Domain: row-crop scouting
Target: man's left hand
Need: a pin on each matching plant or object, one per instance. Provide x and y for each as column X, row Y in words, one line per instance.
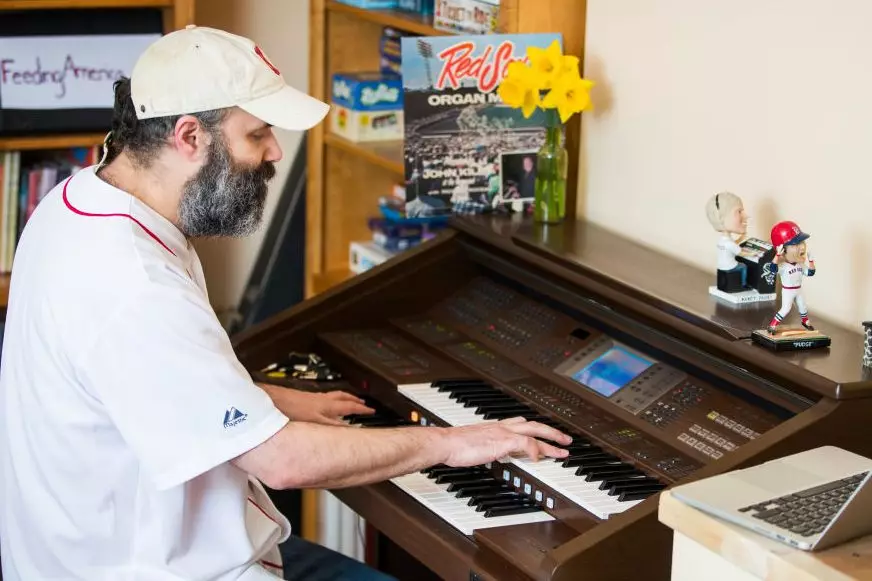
column 320, row 408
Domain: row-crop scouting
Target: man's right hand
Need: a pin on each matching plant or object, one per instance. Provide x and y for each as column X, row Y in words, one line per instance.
column 482, row 443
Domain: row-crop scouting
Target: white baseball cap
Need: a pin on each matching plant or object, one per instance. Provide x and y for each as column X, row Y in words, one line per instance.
column 199, row 69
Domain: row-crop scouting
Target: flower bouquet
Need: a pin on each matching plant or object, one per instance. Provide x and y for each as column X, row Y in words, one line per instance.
column 550, row 81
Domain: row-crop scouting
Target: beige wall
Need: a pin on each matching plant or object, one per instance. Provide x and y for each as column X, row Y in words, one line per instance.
column 771, row 99
column 281, row 28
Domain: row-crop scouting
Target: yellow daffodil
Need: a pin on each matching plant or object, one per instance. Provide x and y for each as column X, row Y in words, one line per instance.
column 519, row 89
column 548, row 63
column 570, row 94
column 570, row 65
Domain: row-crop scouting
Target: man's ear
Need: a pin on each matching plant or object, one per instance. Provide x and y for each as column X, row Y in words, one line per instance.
column 189, row 138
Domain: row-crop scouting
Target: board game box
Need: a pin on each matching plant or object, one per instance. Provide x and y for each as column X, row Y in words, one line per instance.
column 462, row 145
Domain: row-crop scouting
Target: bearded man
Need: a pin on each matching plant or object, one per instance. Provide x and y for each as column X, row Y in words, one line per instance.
column 133, row 443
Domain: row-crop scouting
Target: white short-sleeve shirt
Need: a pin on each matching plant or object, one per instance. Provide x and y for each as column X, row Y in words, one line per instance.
column 727, row 251
column 121, row 405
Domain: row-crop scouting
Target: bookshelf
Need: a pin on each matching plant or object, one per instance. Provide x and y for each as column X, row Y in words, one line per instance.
column 345, row 179
column 176, row 14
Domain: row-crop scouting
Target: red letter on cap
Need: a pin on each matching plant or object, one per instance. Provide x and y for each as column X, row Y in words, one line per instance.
column 266, row 60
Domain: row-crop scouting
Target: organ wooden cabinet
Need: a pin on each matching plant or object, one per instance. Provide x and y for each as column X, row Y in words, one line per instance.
column 615, row 344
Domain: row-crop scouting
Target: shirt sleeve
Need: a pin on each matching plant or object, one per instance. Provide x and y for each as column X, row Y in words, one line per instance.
column 165, row 370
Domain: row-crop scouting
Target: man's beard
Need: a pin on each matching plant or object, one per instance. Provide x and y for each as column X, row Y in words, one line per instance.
column 225, row 198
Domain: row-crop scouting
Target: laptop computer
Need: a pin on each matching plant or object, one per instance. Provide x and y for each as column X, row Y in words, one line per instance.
column 811, row 500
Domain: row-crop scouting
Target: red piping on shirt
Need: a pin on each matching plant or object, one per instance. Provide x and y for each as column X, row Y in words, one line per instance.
column 90, row 215
column 265, row 513
column 271, row 564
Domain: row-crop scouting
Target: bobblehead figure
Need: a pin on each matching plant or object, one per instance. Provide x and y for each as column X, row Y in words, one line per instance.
column 740, row 259
column 792, row 264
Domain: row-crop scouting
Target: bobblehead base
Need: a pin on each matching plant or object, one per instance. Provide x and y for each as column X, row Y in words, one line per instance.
column 742, row 297
column 790, row 338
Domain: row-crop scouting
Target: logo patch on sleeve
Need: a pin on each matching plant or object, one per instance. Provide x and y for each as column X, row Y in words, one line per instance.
column 233, row 416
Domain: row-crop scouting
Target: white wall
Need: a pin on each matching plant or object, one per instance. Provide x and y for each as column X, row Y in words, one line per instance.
column 281, row 28
column 767, row 98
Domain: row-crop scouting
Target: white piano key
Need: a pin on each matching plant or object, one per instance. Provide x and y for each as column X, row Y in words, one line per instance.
column 456, row 511
column 549, row 472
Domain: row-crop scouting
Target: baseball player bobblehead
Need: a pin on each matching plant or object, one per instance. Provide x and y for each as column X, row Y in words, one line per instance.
column 792, row 263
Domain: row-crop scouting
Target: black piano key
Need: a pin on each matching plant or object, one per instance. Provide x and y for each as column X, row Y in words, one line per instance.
column 476, row 400
column 584, row 461
column 473, row 491
column 635, row 495
column 457, row 382
column 440, row 470
column 580, row 446
column 458, row 486
column 629, row 479
column 471, row 477
column 601, row 474
column 513, row 407
column 454, row 394
column 499, row 503
column 617, row 489
column 617, row 478
column 596, row 469
column 474, row 499
column 511, row 510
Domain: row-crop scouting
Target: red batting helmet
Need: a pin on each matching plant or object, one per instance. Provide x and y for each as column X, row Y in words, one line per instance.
column 787, row 233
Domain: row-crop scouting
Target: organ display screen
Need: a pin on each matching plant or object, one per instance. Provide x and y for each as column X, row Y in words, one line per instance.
column 611, row 371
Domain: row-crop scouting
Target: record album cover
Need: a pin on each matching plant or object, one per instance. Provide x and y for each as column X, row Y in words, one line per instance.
column 462, row 144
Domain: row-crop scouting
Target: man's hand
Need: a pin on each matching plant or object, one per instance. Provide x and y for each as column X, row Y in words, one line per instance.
column 482, row 443
column 320, row 408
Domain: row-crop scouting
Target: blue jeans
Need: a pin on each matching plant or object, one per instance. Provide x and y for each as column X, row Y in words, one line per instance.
column 305, row 561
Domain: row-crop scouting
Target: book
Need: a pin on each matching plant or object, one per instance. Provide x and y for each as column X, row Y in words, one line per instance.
column 462, row 144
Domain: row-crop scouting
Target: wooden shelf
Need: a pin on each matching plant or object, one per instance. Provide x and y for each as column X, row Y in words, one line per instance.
column 4, row 290
column 78, row 4
column 386, row 154
column 325, row 280
column 394, row 18
column 50, row 141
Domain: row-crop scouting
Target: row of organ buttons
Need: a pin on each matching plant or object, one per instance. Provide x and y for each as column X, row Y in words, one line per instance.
column 726, row 422
column 528, row 489
column 699, row 445
column 713, row 437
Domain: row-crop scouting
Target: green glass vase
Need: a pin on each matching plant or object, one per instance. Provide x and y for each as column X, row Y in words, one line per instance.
column 552, row 164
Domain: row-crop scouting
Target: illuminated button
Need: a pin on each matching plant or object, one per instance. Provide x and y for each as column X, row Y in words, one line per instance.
column 538, row 496
column 528, row 489
column 549, row 503
column 414, row 417
column 506, row 475
column 517, row 481
column 713, row 415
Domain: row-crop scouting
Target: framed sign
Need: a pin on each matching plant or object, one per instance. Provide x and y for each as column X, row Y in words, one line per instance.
column 57, row 68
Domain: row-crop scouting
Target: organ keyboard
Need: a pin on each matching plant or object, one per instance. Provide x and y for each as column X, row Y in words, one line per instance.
column 620, row 347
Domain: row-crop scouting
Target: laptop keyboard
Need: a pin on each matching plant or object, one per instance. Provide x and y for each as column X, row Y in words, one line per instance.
column 809, row 511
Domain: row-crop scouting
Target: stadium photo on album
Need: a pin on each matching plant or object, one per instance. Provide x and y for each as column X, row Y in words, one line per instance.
column 462, row 144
